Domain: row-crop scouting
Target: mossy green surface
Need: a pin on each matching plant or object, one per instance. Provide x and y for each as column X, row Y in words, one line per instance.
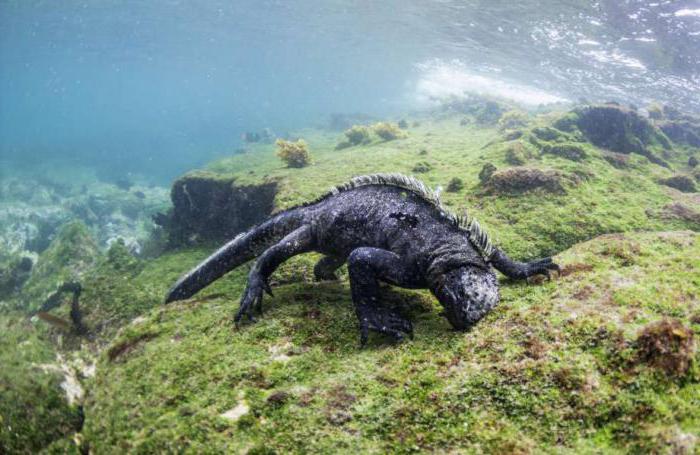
column 33, row 408
column 528, row 225
column 69, row 255
column 553, row 369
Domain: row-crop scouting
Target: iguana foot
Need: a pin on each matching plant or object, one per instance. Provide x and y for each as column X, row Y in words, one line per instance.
column 543, row 266
column 252, row 297
column 382, row 320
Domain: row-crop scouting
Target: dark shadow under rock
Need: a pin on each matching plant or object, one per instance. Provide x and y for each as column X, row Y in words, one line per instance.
column 210, row 208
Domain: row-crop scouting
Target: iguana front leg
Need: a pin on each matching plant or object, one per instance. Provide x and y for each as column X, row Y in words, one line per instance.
column 367, row 266
column 522, row 270
column 296, row 242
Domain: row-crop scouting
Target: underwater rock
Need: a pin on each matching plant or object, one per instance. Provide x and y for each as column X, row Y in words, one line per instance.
column 678, row 210
column 617, row 160
column 512, row 120
column 693, row 161
column 667, row 345
column 295, row 154
column 621, row 130
column 517, row 180
column 72, row 253
column 680, row 182
column 486, row 172
column 109, row 212
column 455, row 185
column 357, row 134
column 485, row 111
column 682, row 131
column 569, row 151
column 547, row 133
column 208, row 207
column 387, row 131
column 516, row 154
column 422, row 167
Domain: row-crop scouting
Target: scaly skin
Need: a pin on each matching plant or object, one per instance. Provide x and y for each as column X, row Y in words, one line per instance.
column 385, row 233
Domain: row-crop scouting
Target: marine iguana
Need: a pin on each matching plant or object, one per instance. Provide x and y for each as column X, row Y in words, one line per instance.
column 387, row 227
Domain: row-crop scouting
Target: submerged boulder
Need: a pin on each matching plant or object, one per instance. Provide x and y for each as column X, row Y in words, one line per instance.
column 569, row 151
column 517, row 180
column 682, row 183
column 682, row 131
column 621, row 130
column 209, row 207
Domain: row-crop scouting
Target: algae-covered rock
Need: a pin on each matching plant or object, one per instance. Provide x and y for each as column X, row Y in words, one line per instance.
column 682, row 131
column 563, row 366
column 68, row 257
column 486, row 172
column 34, row 408
column 422, row 167
column 680, row 182
column 617, row 160
column 358, row 134
column 387, row 131
column 621, row 130
column 512, row 120
column 455, row 185
column 517, row 180
column 569, row 151
column 517, row 153
column 209, row 207
column 678, row 210
column 667, row 345
column 294, row 154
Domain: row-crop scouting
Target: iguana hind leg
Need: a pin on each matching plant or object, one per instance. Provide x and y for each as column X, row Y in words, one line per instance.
column 326, row 266
column 299, row 241
column 367, row 266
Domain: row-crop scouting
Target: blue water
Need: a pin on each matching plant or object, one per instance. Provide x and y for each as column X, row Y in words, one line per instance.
column 157, row 87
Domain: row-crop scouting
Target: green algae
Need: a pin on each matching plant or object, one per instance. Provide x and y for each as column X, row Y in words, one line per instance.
column 553, row 369
column 33, row 408
column 609, row 199
column 556, row 368
column 67, row 258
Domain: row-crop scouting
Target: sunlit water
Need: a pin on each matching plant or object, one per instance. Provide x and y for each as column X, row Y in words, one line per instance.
column 158, row 87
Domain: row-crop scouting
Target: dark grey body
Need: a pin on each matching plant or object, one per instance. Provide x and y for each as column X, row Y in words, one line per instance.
column 385, row 233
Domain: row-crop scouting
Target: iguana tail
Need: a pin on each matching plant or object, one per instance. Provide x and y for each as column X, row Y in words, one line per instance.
column 238, row 251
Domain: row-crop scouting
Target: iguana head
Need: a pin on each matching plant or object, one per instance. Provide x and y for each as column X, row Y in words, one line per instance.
column 466, row 293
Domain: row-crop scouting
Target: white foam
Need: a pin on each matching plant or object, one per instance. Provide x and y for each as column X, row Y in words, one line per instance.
column 441, row 80
column 687, row 12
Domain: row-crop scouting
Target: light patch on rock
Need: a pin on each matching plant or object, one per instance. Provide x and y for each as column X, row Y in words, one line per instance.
column 236, row 413
column 138, row 320
column 279, row 351
column 71, row 384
